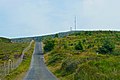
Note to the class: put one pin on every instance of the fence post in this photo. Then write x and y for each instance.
(5, 68)
(8, 68)
(0, 70)
(9, 61)
(13, 64)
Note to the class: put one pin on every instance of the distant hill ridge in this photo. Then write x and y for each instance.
(39, 38)
(60, 34)
(2, 39)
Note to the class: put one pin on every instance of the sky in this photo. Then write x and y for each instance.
(20, 18)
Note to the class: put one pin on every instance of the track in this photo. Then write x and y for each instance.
(38, 69)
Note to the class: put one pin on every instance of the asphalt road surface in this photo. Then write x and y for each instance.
(38, 69)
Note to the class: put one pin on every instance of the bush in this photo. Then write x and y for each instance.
(79, 46)
(116, 52)
(55, 58)
(49, 45)
(89, 33)
(90, 46)
(87, 72)
(107, 47)
(56, 35)
(65, 45)
(68, 66)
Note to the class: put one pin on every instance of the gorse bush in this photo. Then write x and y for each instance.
(116, 52)
(68, 66)
(79, 46)
(55, 58)
(49, 45)
(107, 47)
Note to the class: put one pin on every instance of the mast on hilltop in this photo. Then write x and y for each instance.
(75, 23)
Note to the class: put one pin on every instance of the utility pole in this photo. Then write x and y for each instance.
(75, 23)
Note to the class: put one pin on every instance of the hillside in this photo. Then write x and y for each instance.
(9, 50)
(10, 57)
(85, 55)
(2, 39)
(40, 38)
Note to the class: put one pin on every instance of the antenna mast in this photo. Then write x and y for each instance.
(70, 28)
(75, 22)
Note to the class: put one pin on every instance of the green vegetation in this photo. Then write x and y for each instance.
(20, 72)
(107, 47)
(13, 51)
(56, 35)
(86, 55)
(49, 45)
(79, 46)
(4, 39)
(10, 50)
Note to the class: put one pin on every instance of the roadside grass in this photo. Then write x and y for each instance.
(11, 50)
(70, 64)
(20, 72)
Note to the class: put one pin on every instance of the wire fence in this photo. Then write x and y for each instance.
(10, 65)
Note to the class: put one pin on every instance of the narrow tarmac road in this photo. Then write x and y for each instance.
(38, 69)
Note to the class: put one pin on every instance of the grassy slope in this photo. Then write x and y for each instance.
(13, 51)
(10, 50)
(2, 39)
(68, 64)
(20, 72)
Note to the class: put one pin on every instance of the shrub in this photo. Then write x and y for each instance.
(49, 45)
(89, 33)
(68, 67)
(107, 47)
(79, 46)
(56, 35)
(87, 72)
(116, 52)
(90, 46)
(65, 45)
(55, 58)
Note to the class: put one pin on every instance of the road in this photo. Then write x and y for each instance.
(38, 69)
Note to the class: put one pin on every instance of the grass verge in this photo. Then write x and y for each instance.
(19, 73)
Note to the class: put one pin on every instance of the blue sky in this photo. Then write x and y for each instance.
(19, 18)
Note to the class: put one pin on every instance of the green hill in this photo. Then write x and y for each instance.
(2, 39)
(84, 55)
(40, 38)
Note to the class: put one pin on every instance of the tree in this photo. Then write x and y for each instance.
(107, 47)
